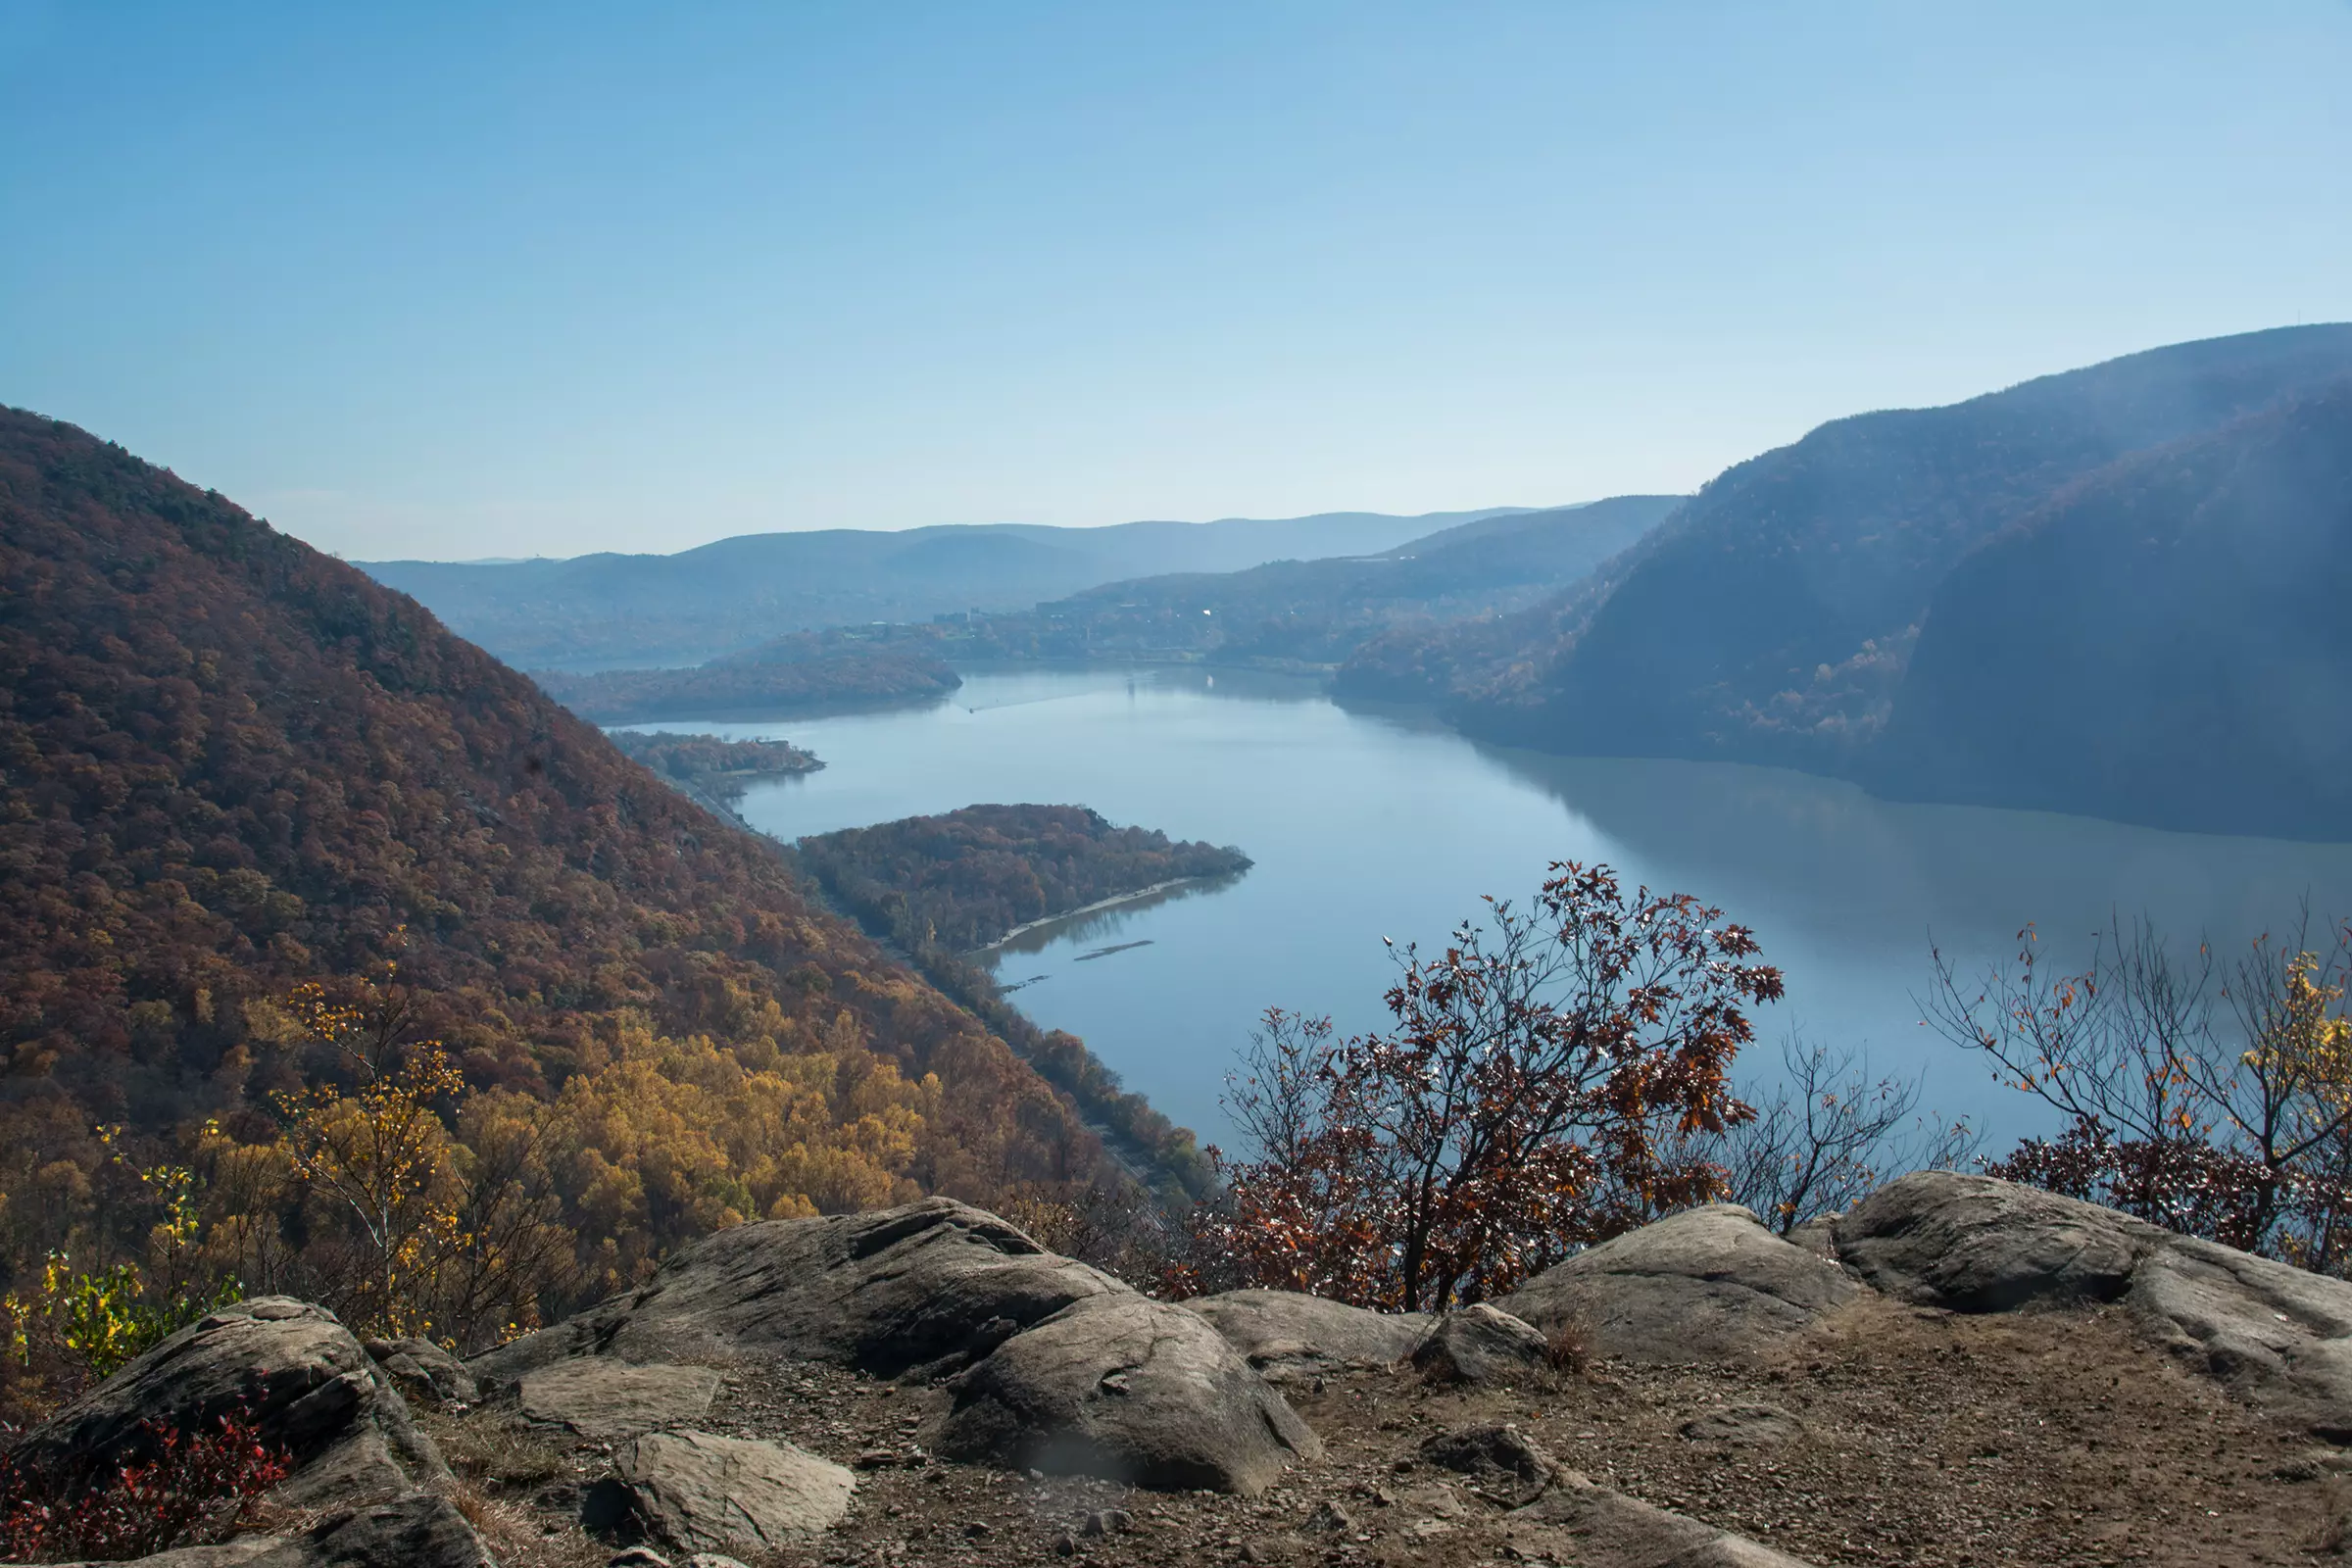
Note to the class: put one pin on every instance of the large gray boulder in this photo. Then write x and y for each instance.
(596, 1396)
(1594, 1527)
(2276, 1336)
(1709, 1284)
(1289, 1337)
(1126, 1388)
(930, 1283)
(418, 1531)
(290, 1369)
(1064, 1366)
(1938, 1237)
(698, 1493)
(1484, 1346)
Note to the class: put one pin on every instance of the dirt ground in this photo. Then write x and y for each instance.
(1889, 1434)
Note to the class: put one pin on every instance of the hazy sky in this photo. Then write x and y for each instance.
(501, 280)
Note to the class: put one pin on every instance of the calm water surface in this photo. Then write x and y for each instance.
(1366, 826)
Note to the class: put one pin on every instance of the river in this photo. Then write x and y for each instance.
(1368, 825)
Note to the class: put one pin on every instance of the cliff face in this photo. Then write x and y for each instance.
(2164, 642)
(230, 764)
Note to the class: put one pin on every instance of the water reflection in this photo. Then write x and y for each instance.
(1882, 876)
(1085, 927)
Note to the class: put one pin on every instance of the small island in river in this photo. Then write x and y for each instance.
(712, 767)
(970, 879)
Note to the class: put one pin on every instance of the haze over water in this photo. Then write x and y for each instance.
(1371, 825)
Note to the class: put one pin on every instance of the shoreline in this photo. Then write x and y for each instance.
(1111, 903)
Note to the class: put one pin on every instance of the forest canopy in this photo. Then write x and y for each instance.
(234, 770)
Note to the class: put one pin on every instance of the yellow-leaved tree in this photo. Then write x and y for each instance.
(670, 1139)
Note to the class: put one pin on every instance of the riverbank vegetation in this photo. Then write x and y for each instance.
(805, 674)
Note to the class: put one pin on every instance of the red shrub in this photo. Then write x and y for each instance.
(196, 1487)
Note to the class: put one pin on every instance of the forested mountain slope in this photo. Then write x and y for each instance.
(1773, 618)
(229, 764)
(2163, 641)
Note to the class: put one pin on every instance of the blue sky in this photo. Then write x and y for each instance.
(504, 280)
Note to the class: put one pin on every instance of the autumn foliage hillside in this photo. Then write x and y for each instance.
(230, 766)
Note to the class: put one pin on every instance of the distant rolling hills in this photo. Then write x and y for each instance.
(1316, 613)
(609, 611)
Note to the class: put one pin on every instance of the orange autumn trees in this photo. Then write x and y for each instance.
(1549, 1081)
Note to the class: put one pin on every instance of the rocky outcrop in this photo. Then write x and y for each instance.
(1494, 1454)
(1483, 1344)
(425, 1373)
(1975, 1245)
(417, 1531)
(596, 1397)
(1059, 1365)
(931, 1283)
(698, 1493)
(1124, 1386)
(2274, 1334)
(1287, 1335)
(290, 1369)
(1709, 1284)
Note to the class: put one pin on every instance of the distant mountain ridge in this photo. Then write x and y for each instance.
(1773, 618)
(607, 611)
(1317, 612)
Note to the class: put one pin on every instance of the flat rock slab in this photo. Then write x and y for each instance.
(421, 1529)
(697, 1492)
(2274, 1334)
(1592, 1527)
(291, 1369)
(1130, 1389)
(1709, 1284)
(1289, 1337)
(1744, 1426)
(935, 1283)
(596, 1397)
(1484, 1346)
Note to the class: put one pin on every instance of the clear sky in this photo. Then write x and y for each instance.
(463, 281)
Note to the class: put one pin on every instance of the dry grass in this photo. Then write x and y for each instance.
(1568, 1348)
(498, 1450)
